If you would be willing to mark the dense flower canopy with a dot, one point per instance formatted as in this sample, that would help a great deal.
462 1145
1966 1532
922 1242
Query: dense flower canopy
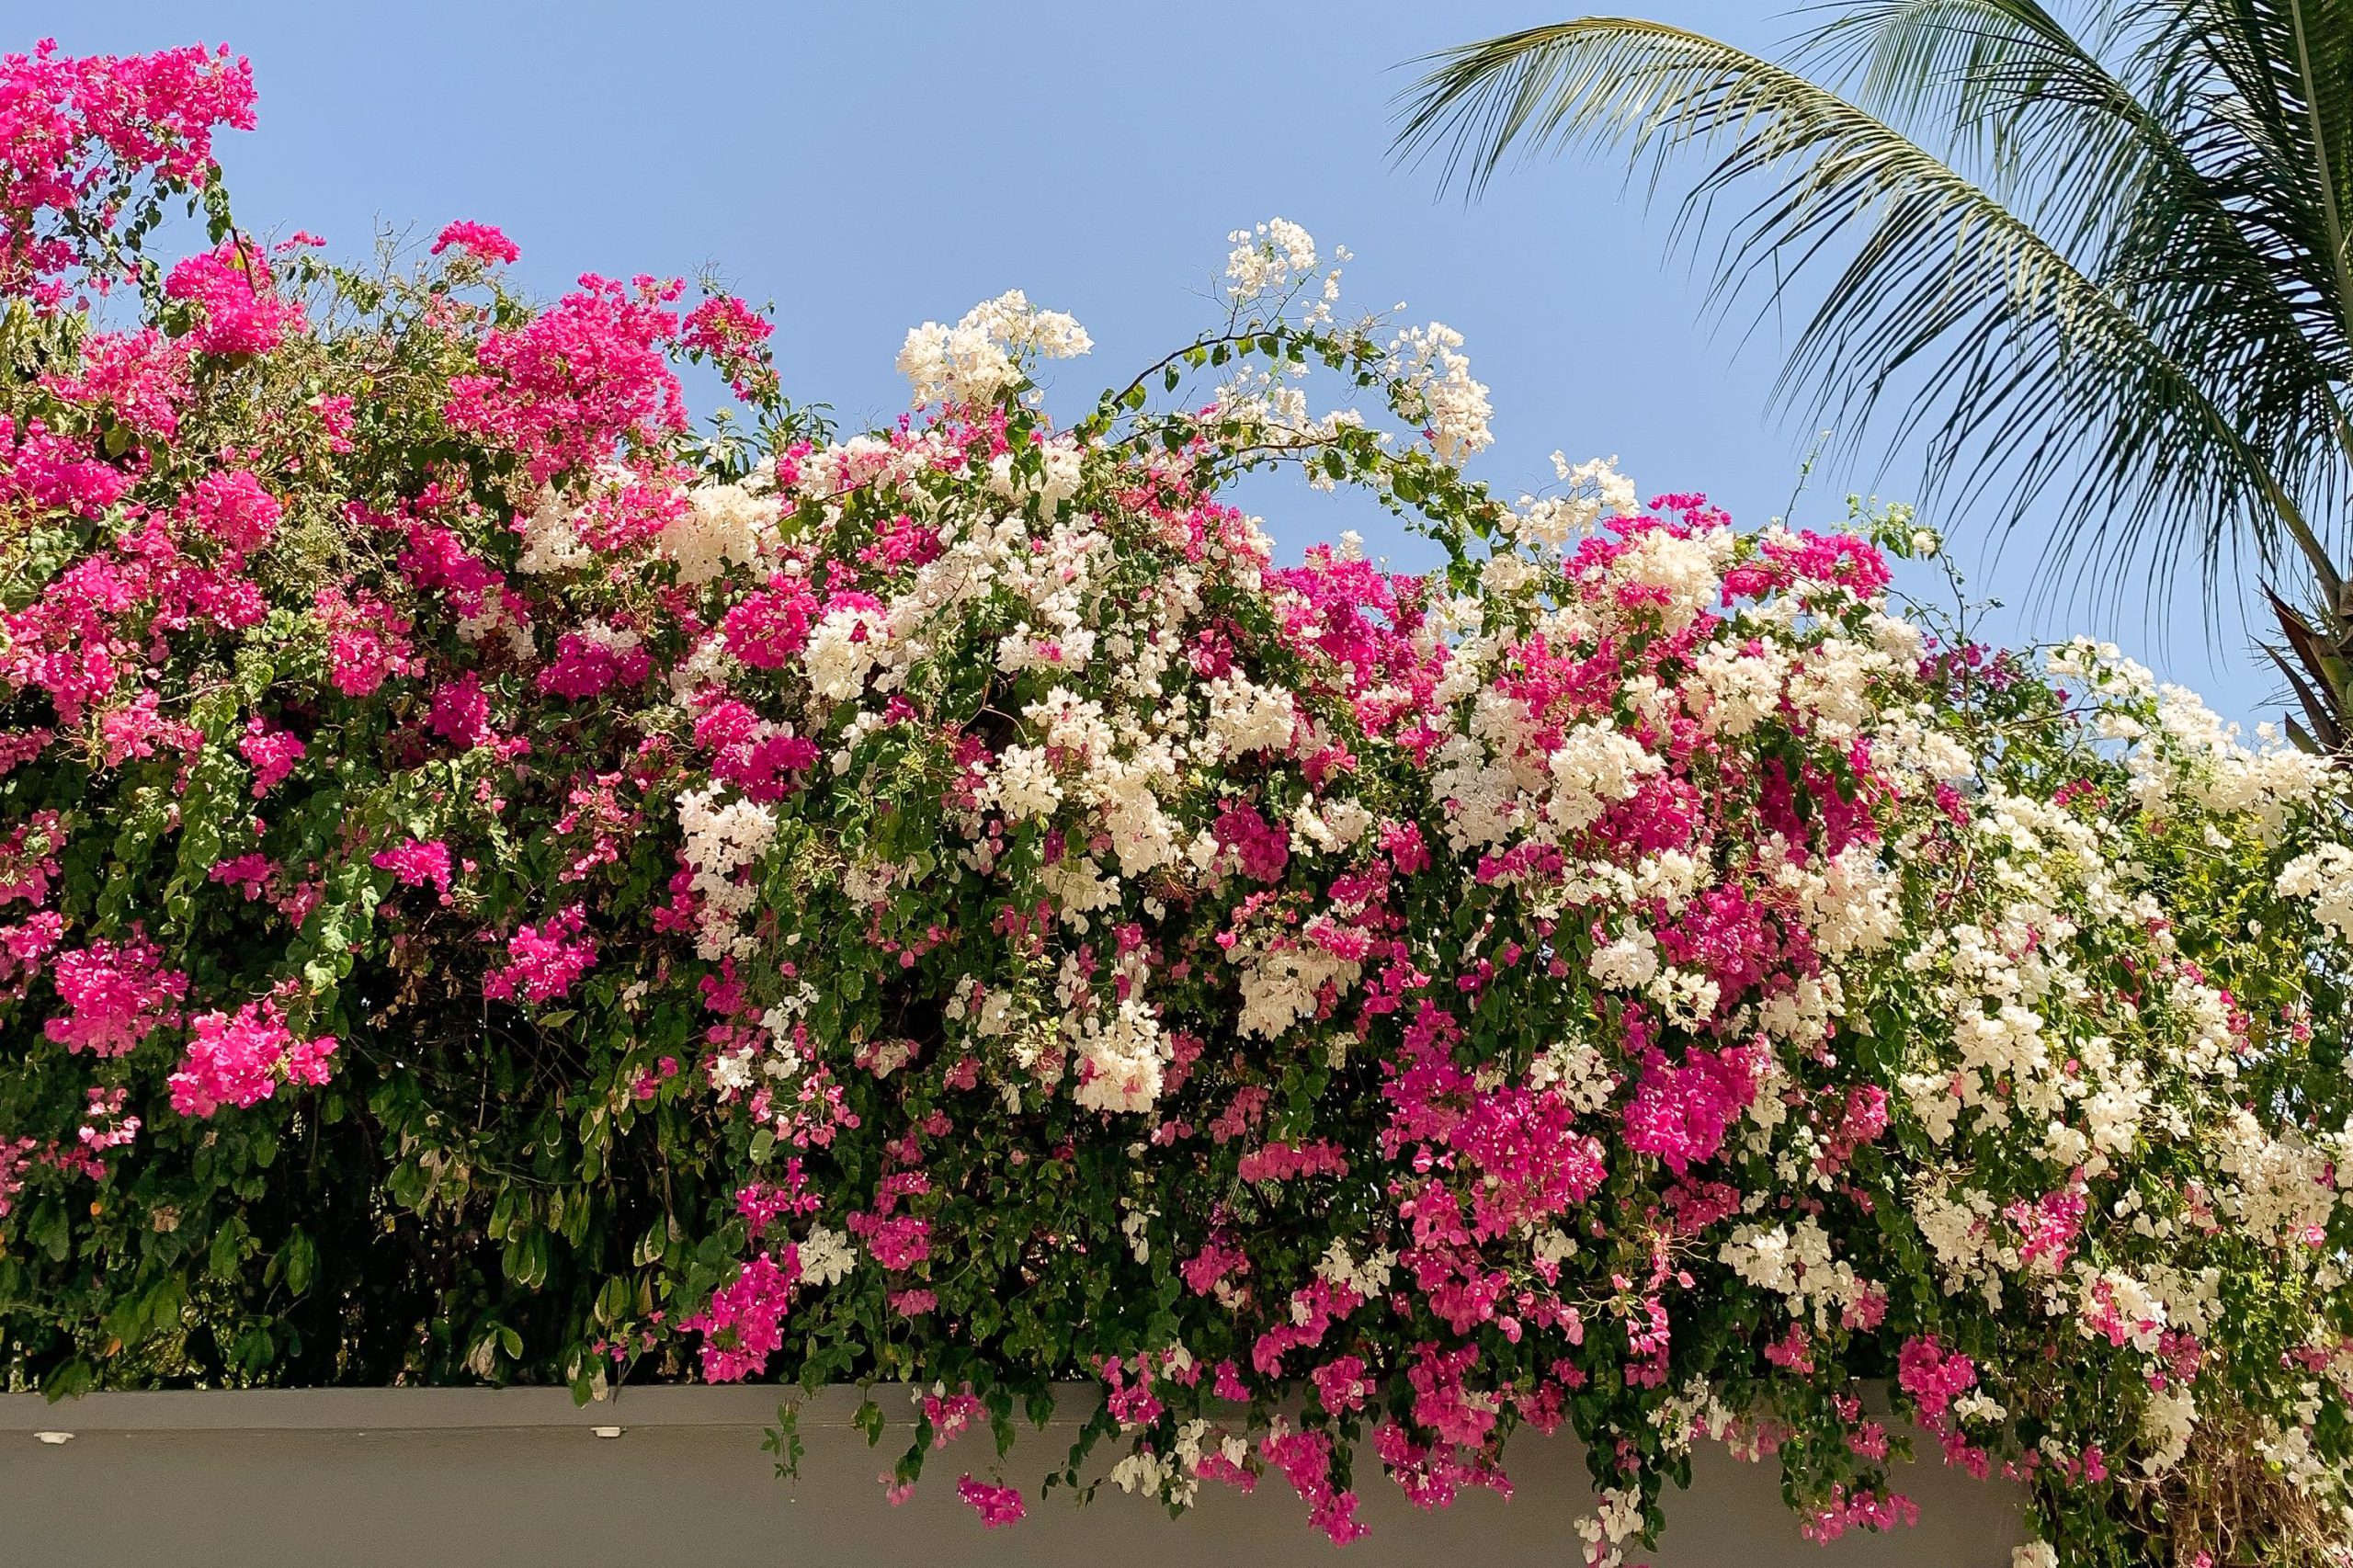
496 885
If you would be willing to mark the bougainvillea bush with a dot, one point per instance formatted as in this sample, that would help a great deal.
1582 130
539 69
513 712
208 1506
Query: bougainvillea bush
501 884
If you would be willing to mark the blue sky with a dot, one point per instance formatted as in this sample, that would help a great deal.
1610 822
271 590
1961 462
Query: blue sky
870 166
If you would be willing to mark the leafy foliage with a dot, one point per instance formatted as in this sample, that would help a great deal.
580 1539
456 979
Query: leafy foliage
496 887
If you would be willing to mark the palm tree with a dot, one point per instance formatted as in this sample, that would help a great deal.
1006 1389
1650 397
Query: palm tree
2103 261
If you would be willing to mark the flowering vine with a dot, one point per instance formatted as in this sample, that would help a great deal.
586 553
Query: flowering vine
496 885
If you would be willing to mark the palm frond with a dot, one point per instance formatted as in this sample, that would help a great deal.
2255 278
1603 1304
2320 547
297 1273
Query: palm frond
2004 90
2317 676
1960 72
2025 368
2140 165
2121 153
2275 81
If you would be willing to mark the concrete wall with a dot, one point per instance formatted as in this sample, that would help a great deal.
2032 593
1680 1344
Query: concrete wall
408 1478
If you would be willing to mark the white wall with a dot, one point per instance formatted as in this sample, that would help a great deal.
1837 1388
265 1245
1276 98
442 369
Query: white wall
409 1478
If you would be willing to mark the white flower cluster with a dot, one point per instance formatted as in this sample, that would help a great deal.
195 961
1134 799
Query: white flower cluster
1368 1276
721 840
723 526
1268 258
2326 877
827 1258
844 648
1795 1261
1116 1038
1595 492
550 543
1437 390
1280 980
974 361
1174 1479
1618 1516
2190 756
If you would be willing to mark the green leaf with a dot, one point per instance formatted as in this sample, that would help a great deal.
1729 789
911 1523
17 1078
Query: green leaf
50 1230
300 1258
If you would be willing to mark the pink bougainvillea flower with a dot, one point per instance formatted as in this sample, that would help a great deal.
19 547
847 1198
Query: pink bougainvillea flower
481 240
